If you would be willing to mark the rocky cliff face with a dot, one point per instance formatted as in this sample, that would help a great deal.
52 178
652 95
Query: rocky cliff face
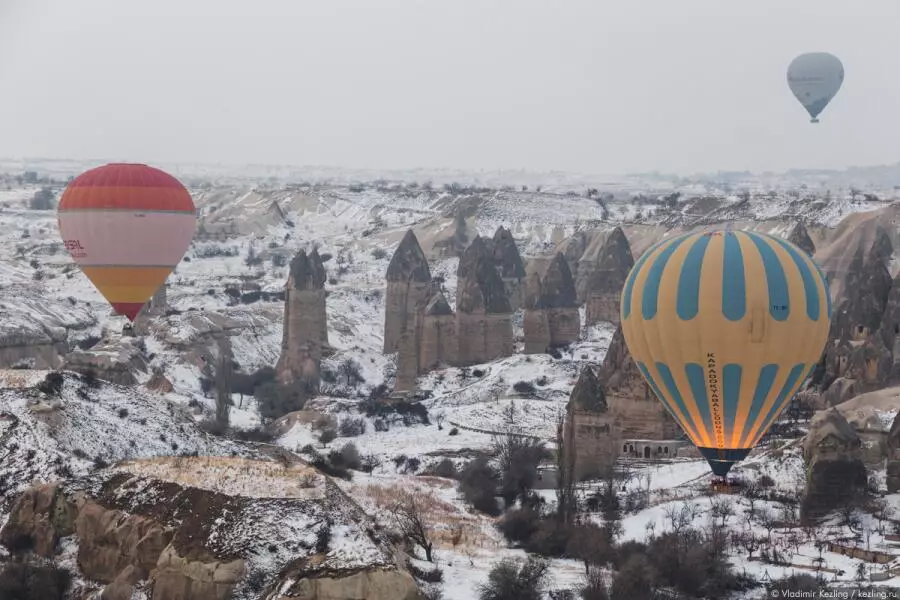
836 473
212 543
408 287
589 434
305 335
551 307
509 264
115 359
800 237
601 277
636 412
483 312
35 332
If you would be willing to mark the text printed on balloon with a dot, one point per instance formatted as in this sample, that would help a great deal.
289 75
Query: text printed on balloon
714 402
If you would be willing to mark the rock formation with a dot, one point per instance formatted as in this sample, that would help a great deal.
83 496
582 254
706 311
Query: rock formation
637 414
800 236
573 249
602 277
893 463
305 335
588 434
408 287
509 263
206 545
429 343
551 308
438 345
836 475
859 356
114 359
483 313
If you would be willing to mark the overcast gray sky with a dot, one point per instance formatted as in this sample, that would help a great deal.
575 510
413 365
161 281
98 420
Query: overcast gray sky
595 86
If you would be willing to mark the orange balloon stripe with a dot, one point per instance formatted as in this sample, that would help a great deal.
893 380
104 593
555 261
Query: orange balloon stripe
126 175
126 198
127 284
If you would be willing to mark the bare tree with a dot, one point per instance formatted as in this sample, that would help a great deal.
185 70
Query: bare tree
565 466
849 518
408 515
680 517
767 520
749 542
224 373
882 511
721 507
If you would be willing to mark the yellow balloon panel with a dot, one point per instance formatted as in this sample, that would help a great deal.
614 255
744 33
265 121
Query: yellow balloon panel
725 326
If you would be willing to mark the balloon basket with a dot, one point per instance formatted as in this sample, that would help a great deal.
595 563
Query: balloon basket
813 120
725 485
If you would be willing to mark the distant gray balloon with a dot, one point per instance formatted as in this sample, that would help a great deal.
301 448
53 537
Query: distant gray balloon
815 78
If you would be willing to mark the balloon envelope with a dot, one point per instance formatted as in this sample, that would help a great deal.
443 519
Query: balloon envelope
127 227
815 78
725 326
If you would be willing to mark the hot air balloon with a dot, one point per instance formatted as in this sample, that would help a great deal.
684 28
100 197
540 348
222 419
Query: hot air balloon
127 227
815 78
724 326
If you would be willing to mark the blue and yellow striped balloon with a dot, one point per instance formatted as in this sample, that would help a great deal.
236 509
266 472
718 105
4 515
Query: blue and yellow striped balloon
725 326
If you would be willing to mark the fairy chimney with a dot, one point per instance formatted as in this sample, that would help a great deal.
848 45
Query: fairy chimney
638 414
438 342
408 286
602 276
799 236
589 433
305 330
483 312
430 342
551 310
509 263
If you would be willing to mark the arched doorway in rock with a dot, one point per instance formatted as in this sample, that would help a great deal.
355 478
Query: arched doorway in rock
646 451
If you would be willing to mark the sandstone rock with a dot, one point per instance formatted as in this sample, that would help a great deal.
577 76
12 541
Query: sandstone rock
588 393
408 287
893 476
841 390
800 237
305 335
636 412
159 383
380 584
483 318
111 540
551 307
601 278
123 586
868 287
477 253
836 473
509 263
41 514
438 343
114 359
201 544
589 435
573 248
181 578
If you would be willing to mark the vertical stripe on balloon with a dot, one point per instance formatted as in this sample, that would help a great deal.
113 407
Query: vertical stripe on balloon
688 302
734 285
779 297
